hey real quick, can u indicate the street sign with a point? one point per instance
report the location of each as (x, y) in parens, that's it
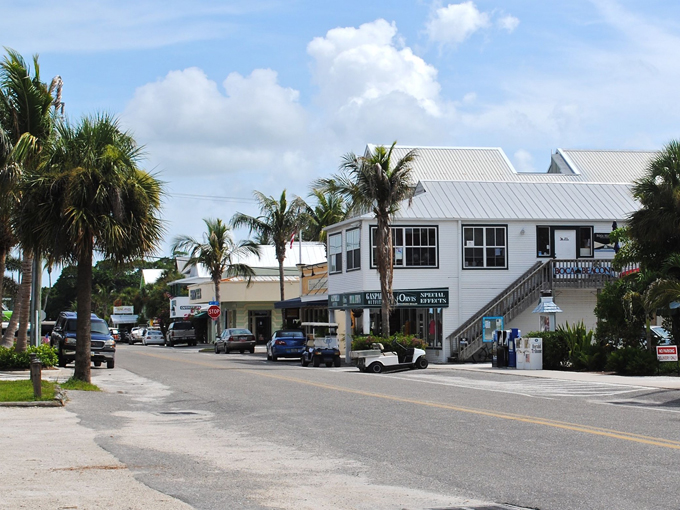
(667, 352)
(214, 312)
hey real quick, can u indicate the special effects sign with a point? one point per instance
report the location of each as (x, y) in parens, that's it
(667, 352)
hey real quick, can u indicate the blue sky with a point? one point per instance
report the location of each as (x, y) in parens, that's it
(234, 96)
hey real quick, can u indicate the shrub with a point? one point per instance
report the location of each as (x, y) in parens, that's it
(632, 361)
(10, 359)
(555, 349)
(398, 342)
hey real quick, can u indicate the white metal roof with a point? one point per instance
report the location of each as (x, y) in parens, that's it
(309, 253)
(519, 200)
(491, 164)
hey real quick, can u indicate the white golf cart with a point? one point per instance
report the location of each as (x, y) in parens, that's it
(375, 360)
(322, 344)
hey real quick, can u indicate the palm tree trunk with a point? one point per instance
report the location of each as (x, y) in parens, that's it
(216, 283)
(281, 281)
(385, 270)
(8, 338)
(24, 316)
(84, 309)
(3, 260)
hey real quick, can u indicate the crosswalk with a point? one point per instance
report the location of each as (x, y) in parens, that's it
(529, 387)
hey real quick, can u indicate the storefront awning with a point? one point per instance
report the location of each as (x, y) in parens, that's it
(298, 303)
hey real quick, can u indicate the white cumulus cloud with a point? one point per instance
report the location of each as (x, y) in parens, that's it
(508, 23)
(456, 22)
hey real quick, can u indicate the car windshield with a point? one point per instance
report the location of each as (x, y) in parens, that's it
(96, 326)
(182, 325)
(239, 332)
(153, 333)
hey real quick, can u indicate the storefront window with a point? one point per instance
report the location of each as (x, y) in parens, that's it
(543, 242)
(484, 247)
(424, 323)
(585, 242)
(353, 243)
(412, 246)
(335, 253)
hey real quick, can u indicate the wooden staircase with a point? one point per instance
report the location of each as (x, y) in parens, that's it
(516, 298)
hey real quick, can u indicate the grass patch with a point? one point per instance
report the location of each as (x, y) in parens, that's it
(78, 385)
(207, 349)
(22, 391)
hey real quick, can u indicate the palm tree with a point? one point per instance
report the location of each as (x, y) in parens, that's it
(26, 105)
(373, 183)
(219, 253)
(654, 227)
(329, 209)
(278, 222)
(90, 195)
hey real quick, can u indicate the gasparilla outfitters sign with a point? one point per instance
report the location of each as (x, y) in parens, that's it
(421, 298)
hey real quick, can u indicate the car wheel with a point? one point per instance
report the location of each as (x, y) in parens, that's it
(217, 349)
(62, 361)
(170, 344)
(111, 363)
(336, 362)
(303, 361)
(97, 363)
(242, 351)
(274, 358)
(422, 362)
(252, 350)
(375, 368)
(316, 361)
(226, 351)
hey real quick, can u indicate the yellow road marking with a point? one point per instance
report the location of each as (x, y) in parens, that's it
(587, 429)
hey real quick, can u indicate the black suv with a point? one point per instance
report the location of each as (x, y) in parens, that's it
(63, 338)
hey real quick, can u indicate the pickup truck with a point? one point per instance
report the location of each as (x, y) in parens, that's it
(180, 332)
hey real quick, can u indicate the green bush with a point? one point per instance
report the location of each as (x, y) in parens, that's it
(632, 361)
(12, 360)
(398, 342)
(555, 349)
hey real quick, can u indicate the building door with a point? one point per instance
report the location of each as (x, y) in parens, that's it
(565, 244)
(260, 324)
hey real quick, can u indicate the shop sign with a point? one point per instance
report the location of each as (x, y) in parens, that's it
(123, 310)
(402, 299)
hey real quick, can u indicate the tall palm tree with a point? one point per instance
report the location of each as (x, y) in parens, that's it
(26, 104)
(374, 183)
(654, 227)
(219, 253)
(329, 209)
(90, 195)
(278, 222)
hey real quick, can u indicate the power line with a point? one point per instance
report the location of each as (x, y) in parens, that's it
(212, 197)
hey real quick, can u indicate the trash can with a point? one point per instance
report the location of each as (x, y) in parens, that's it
(536, 353)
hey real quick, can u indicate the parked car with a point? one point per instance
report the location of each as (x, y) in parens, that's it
(180, 332)
(286, 343)
(136, 334)
(153, 336)
(235, 339)
(102, 344)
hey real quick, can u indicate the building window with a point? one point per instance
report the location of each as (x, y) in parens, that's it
(585, 242)
(335, 253)
(411, 246)
(484, 247)
(543, 242)
(353, 244)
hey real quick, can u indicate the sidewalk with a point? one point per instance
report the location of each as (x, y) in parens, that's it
(660, 382)
(38, 472)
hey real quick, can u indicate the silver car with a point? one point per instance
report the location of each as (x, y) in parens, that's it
(153, 337)
(235, 339)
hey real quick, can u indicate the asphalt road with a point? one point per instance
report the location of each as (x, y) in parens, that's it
(236, 431)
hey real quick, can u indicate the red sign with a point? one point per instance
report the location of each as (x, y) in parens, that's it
(667, 352)
(214, 312)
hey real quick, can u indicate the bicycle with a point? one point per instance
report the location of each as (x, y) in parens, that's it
(482, 355)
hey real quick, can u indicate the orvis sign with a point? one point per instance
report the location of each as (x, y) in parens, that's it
(421, 298)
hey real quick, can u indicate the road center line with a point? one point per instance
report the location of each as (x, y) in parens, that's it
(587, 429)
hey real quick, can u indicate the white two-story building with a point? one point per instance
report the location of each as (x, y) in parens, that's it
(479, 239)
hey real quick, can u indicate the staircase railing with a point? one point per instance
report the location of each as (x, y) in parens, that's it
(508, 304)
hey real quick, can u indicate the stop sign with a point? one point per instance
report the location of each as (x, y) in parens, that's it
(214, 312)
